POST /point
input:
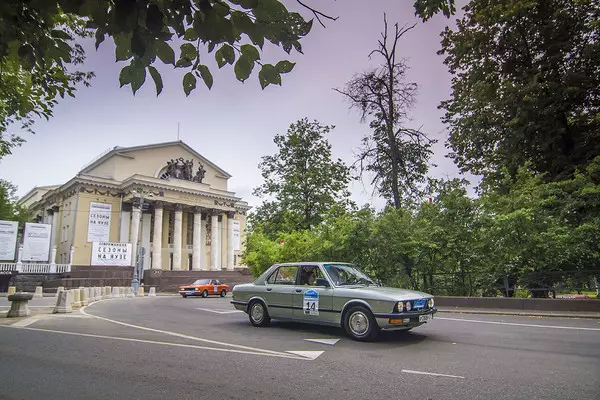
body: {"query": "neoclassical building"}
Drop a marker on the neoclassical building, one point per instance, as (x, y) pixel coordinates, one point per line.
(172, 204)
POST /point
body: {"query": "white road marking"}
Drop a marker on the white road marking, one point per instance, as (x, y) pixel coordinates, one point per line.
(191, 346)
(25, 322)
(311, 355)
(330, 342)
(220, 311)
(518, 324)
(247, 348)
(409, 371)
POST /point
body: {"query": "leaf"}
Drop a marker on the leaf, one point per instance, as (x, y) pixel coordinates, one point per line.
(250, 51)
(243, 68)
(190, 34)
(225, 55)
(206, 75)
(122, 47)
(138, 77)
(157, 79)
(184, 63)
(188, 51)
(283, 67)
(99, 37)
(189, 83)
(165, 52)
(269, 74)
(60, 34)
(125, 76)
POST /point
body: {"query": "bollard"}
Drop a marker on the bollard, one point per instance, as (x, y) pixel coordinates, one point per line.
(70, 297)
(115, 292)
(98, 292)
(107, 292)
(59, 289)
(152, 292)
(140, 292)
(39, 292)
(12, 290)
(76, 299)
(18, 305)
(130, 292)
(85, 296)
(63, 303)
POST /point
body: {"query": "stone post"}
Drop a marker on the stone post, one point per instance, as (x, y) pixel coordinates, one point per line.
(59, 289)
(140, 292)
(130, 292)
(152, 292)
(63, 303)
(85, 296)
(76, 298)
(115, 292)
(11, 290)
(39, 292)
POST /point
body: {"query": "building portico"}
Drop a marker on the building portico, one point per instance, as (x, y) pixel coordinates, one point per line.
(168, 201)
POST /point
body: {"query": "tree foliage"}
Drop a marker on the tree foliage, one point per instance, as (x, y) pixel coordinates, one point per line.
(396, 156)
(9, 209)
(526, 86)
(302, 183)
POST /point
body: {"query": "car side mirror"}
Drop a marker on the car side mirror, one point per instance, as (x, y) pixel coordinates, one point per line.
(323, 282)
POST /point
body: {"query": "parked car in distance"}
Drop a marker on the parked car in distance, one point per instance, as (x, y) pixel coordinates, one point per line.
(204, 288)
(331, 293)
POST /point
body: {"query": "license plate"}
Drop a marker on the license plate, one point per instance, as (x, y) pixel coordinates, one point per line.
(420, 303)
(425, 318)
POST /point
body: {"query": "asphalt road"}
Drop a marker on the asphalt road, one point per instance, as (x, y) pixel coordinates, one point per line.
(169, 347)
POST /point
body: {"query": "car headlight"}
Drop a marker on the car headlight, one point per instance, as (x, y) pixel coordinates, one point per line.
(431, 303)
(399, 306)
(408, 306)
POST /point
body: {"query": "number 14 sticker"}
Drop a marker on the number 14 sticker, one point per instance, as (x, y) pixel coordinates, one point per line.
(311, 302)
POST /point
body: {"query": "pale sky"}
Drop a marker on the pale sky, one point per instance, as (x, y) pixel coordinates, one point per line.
(233, 124)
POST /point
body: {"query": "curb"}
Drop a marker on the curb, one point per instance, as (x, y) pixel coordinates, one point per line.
(519, 313)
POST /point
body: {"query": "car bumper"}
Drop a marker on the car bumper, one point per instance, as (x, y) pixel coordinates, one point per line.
(403, 321)
(240, 305)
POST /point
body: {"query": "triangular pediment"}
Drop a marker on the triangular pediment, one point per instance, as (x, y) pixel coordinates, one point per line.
(175, 160)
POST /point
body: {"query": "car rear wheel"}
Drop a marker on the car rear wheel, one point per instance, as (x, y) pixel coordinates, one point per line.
(258, 314)
(205, 293)
(360, 324)
(184, 295)
(223, 293)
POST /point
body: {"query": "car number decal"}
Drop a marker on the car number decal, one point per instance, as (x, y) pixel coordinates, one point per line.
(310, 303)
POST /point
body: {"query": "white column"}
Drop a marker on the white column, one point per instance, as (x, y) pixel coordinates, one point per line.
(215, 246)
(177, 231)
(71, 255)
(145, 239)
(203, 263)
(124, 231)
(197, 240)
(230, 241)
(135, 231)
(223, 238)
(157, 239)
(53, 233)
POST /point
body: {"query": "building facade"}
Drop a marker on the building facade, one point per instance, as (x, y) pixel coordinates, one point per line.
(166, 199)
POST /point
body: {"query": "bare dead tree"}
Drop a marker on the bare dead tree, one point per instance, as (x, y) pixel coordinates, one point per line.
(398, 156)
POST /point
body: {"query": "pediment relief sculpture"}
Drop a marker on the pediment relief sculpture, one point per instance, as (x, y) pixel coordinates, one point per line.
(184, 170)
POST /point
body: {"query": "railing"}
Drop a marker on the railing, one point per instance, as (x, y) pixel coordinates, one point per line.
(35, 268)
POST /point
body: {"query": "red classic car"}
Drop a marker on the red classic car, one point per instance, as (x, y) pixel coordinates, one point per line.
(204, 287)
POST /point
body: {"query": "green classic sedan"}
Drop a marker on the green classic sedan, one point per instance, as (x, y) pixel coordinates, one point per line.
(331, 293)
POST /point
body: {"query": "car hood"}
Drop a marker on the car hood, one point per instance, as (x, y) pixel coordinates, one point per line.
(385, 292)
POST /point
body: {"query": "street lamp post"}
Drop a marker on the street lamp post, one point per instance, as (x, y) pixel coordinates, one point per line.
(135, 279)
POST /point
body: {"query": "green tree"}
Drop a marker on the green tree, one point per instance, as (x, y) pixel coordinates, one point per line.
(395, 155)
(9, 209)
(526, 86)
(302, 182)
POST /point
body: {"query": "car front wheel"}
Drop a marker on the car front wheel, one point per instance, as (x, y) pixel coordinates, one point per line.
(223, 293)
(258, 314)
(205, 293)
(360, 324)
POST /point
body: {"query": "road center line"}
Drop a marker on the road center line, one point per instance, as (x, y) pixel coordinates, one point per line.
(181, 335)
(192, 346)
(518, 324)
(409, 371)
(220, 311)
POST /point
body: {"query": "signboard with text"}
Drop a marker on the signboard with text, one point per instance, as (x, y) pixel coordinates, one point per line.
(36, 242)
(107, 253)
(8, 240)
(236, 235)
(99, 222)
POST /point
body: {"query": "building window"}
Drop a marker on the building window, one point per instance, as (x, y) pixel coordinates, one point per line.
(190, 229)
(171, 226)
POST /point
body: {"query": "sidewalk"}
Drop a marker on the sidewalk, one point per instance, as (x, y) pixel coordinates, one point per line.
(523, 313)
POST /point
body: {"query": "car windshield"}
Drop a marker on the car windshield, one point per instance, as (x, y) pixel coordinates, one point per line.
(342, 274)
(201, 282)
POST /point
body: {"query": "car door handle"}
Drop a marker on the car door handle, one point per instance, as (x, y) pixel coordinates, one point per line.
(298, 290)
(269, 289)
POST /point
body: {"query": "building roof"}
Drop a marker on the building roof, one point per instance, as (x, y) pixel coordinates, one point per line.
(118, 150)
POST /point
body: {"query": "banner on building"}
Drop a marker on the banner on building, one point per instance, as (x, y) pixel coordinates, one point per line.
(36, 242)
(107, 253)
(236, 235)
(99, 222)
(8, 240)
